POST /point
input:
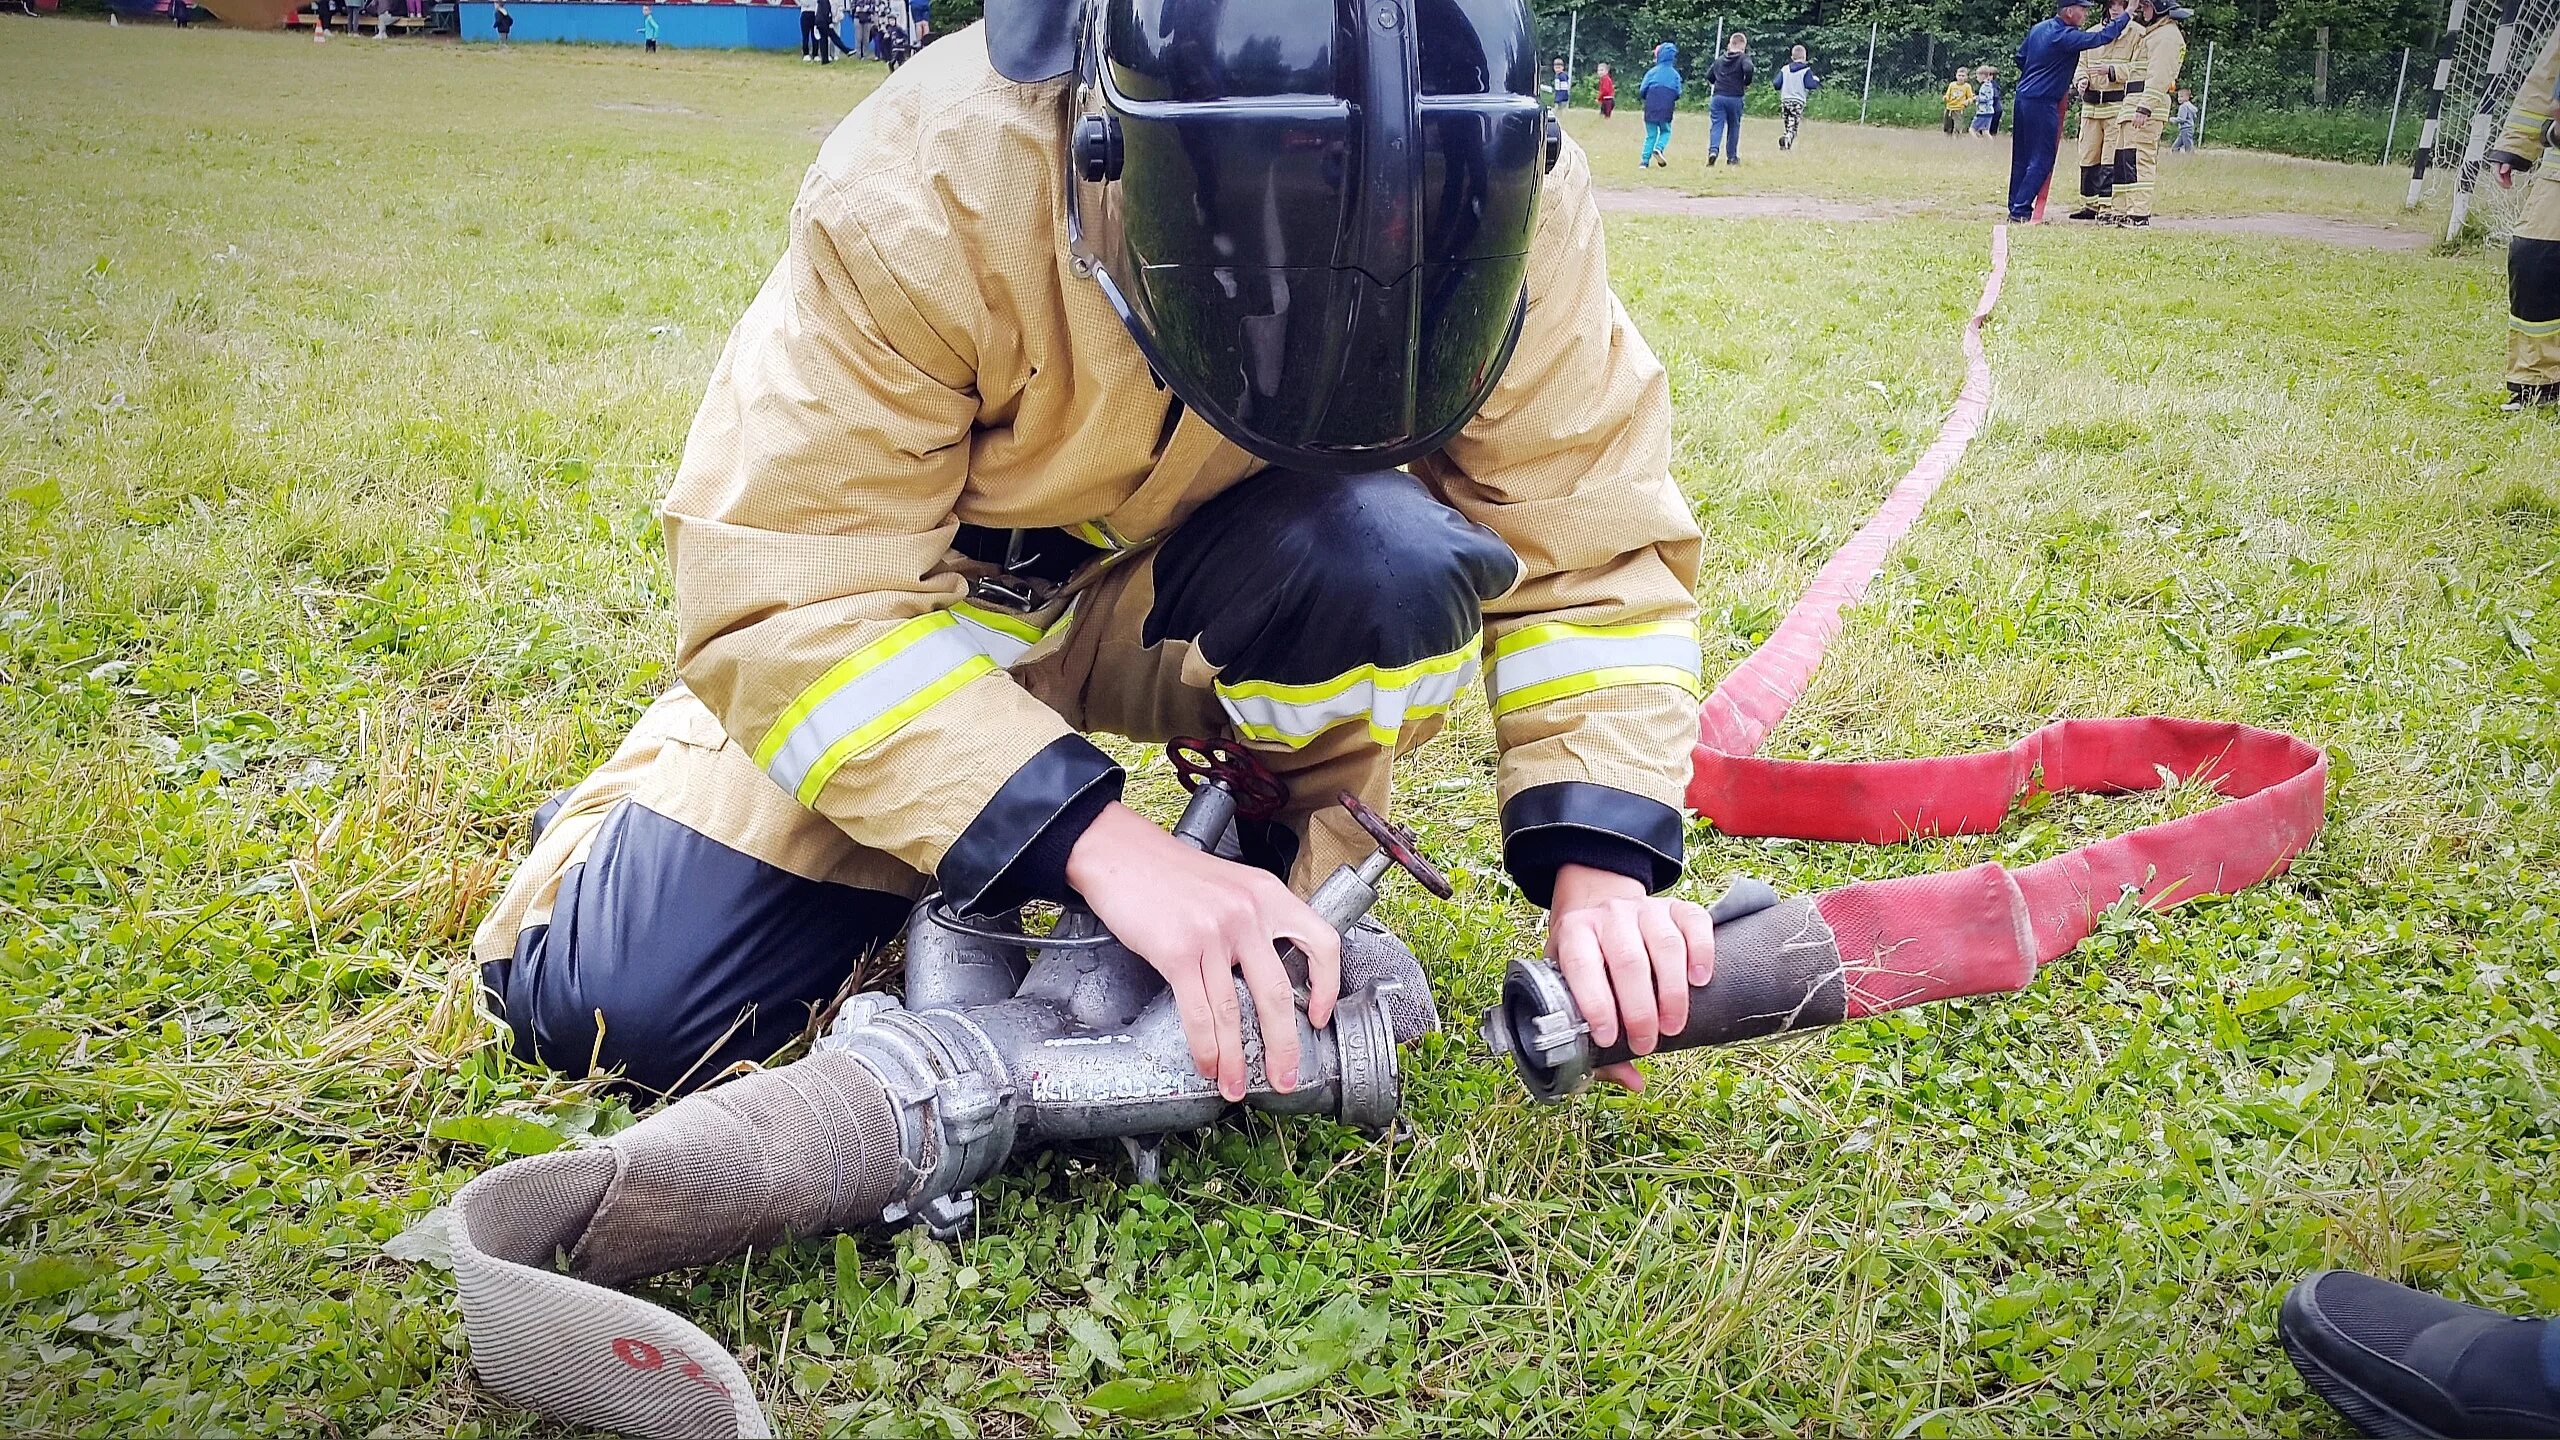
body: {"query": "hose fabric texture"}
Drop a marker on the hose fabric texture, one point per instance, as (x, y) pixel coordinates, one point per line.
(1985, 929)
(804, 1149)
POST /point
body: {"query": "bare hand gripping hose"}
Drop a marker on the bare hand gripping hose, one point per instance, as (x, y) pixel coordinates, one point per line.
(1881, 945)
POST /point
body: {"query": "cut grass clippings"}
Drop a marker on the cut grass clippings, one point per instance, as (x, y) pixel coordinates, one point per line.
(337, 385)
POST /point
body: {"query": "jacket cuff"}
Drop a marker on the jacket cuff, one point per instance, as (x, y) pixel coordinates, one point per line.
(1016, 850)
(2506, 157)
(1574, 822)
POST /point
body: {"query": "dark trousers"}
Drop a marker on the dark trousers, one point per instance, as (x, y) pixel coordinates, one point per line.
(808, 34)
(2033, 143)
(670, 956)
(1724, 125)
(826, 34)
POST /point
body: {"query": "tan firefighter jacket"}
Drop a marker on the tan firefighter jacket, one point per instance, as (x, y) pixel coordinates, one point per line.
(2529, 121)
(2099, 80)
(926, 354)
(2151, 79)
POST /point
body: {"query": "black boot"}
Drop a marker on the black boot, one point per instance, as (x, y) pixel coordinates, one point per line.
(2521, 396)
(2085, 212)
(2397, 1361)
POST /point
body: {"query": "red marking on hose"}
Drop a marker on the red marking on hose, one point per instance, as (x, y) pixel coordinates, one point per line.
(1985, 929)
(641, 1355)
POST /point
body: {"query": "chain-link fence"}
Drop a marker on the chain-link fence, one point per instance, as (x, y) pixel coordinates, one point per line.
(2361, 106)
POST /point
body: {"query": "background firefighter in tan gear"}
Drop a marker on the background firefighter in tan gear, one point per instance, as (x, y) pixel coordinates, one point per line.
(2533, 252)
(2150, 98)
(2099, 81)
(1170, 417)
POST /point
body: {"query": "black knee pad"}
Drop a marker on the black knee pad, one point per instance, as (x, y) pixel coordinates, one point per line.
(1293, 577)
(2128, 169)
(2089, 180)
(697, 956)
(2533, 279)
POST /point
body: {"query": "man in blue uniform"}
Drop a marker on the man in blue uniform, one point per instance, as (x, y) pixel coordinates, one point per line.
(2045, 63)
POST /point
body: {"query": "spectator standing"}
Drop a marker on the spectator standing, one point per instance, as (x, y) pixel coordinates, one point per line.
(1604, 88)
(1560, 84)
(1795, 82)
(1660, 91)
(853, 30)
(2046, 59)
(826, 32)
(504, 21)
(648, 30)
(1729, 79)
(1986, 101)
(919, 21)
(808, 30)
(181, 14)
(1958, 101)
(2186, 122)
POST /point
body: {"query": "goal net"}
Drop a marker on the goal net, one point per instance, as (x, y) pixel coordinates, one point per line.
(2487, 48)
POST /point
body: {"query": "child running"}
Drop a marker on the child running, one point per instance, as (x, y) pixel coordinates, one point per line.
(1959, 100)
(1661, 92)
(1795, 83)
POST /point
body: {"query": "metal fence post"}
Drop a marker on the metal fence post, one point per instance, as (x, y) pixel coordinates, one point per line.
(2204, 98)
(2397, 86)
(1868, 88)
(1573, 45)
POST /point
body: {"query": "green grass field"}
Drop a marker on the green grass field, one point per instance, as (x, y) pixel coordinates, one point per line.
(337, 385)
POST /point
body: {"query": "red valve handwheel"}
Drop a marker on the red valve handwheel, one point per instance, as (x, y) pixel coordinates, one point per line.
(1398, 842)
(1259, 794)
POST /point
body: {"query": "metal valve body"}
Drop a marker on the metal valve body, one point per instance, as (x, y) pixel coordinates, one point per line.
(1004, 1042)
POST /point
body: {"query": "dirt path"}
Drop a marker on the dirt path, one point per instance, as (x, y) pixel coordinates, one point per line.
(1653, 200)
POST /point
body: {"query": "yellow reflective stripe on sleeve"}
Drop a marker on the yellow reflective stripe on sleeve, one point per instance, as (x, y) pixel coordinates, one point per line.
(1554, 661)
(1390, 698)
(1101, 533)
(1564, 687)
(1002, 637)
(866, 697)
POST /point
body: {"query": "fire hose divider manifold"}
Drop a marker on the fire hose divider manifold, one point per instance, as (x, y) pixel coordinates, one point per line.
(1004, 1041)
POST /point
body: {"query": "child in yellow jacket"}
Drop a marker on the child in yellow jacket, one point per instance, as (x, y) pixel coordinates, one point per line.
(1959, 101)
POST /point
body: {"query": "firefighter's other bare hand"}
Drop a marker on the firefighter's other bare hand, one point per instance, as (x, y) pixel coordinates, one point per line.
(1201, 922)
(2506, 176)
(1629, 958)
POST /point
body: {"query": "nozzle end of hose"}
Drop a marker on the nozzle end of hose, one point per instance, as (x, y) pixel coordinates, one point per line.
(1538, 1029)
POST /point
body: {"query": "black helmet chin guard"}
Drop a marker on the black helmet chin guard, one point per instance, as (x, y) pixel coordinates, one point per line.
(1312, 215)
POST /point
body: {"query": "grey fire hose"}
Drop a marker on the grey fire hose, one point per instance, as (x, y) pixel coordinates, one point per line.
(1778, 968)
(1002, 1042)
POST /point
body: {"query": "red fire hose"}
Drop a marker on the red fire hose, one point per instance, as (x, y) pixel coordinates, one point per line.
(1986, 929)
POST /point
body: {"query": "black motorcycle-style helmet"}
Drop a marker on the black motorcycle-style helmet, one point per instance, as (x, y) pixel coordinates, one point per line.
(1313, 215)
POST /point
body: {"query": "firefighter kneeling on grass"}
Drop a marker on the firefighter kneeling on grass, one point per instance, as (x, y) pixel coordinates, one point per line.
(2533, 253)
(1156, 367)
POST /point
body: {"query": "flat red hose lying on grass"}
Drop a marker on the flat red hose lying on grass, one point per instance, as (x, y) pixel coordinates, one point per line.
(1985, 929)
